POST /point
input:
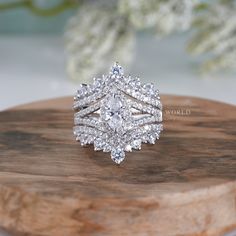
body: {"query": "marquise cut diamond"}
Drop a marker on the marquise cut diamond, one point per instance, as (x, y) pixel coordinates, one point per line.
(117, 113)
(113, 112)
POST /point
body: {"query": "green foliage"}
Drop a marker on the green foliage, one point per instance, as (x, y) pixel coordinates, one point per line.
(32, 6)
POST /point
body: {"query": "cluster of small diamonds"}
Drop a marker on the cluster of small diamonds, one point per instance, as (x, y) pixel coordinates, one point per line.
(117, 113)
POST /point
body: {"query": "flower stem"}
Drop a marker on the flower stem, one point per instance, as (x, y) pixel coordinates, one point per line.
(29, 4)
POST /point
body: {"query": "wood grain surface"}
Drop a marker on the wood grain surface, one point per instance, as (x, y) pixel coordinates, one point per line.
(185, 185)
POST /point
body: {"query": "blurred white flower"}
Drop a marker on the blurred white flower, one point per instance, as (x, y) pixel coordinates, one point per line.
(103, 31)
(164, 16)
(96, 37)
(217, 35)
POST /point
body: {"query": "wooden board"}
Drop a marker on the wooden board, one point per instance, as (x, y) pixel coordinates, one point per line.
(185, 185)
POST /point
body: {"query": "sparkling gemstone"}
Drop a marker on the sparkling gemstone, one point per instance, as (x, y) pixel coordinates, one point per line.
(136, 144)
(82, 91)
(128, 148)
(115, 122)
(117, 69)
(112, 112)
(117, 155)
(97, 82)
(134, 83)
(106, 148)
(151, 138)
(149, 88)
(98, 144)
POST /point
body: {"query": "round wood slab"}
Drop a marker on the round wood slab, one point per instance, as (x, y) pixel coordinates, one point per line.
(184, 185)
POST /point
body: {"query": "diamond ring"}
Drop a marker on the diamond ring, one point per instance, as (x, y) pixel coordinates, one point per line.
(117, 113)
